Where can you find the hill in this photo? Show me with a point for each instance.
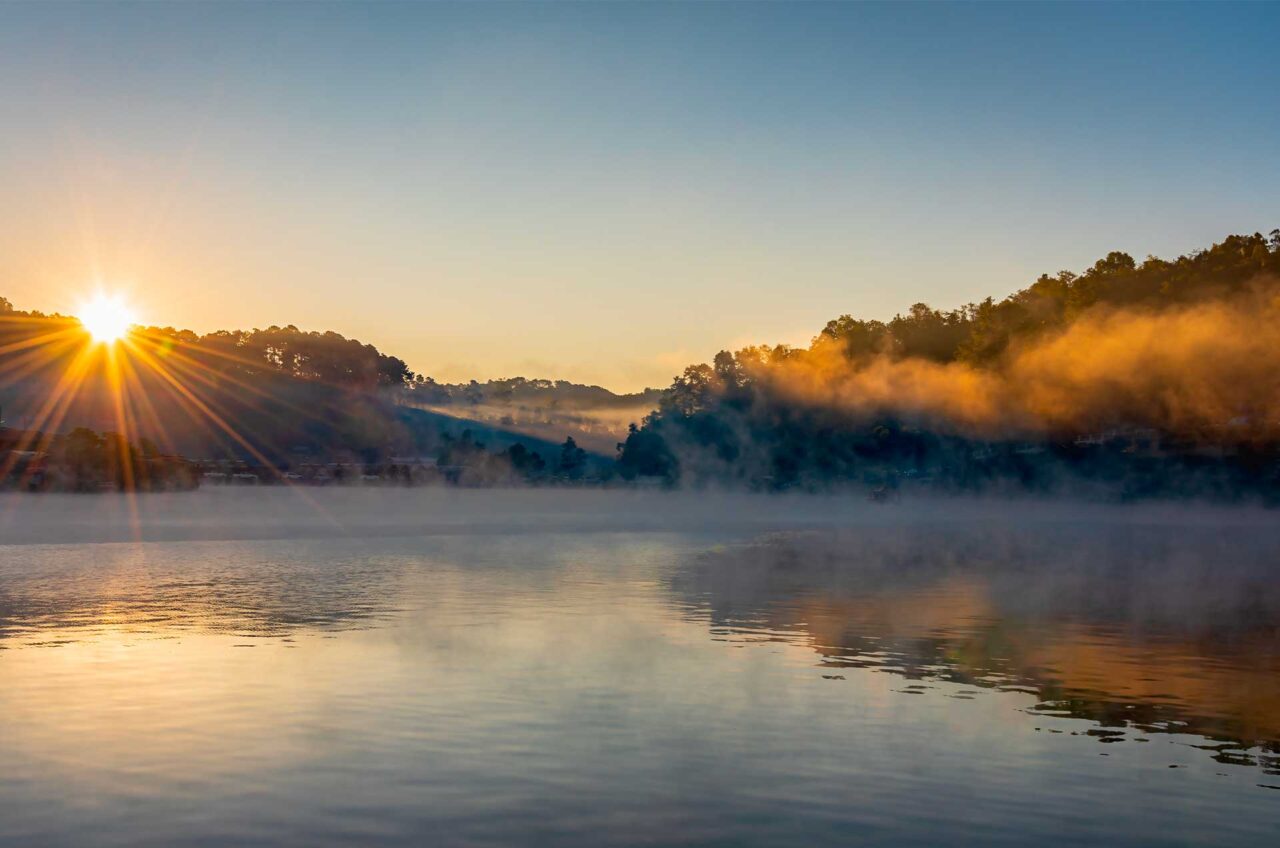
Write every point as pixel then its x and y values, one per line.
pixel 1159 377
pixel 1145 377
pixel 549 409
pixel 270 397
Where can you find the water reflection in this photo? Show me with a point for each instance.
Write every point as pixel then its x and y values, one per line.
pixel 54 595
pixel 518 687
pixel 1138 630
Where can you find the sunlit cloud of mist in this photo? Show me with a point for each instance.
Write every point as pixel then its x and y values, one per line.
pixel 1202 369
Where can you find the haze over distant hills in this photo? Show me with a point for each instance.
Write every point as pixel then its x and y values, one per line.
pixel 1170 368
pixel 270 396
pixel 550 409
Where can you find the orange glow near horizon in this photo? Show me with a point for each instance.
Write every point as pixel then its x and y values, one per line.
pixel 110 350
pixel 108 318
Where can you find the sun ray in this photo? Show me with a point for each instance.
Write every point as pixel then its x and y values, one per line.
pixel 102 357
pixel 211 415
pixel 123 440
pixel 141 400
pixel 31 361
pixel 41 340
pixel 194 369
pixel 50 415
pixel 205 408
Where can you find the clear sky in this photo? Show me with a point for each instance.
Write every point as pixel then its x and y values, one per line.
pixel 608 192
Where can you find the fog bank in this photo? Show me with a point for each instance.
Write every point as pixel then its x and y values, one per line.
pixel 282 513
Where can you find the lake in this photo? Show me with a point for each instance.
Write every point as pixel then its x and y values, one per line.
pixel 452 667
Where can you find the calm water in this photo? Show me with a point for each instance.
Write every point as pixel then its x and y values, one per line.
pixel 413 668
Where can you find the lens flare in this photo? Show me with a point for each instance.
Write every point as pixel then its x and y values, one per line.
pixel 107 318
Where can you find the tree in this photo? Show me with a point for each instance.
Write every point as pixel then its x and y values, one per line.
pixel 573 459
pixel 524 461
pixel 646 454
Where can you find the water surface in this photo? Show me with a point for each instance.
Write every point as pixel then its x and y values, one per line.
pixel 587 668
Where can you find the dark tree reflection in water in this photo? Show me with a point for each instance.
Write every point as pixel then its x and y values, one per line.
pixel 1138 630
pixel 603 668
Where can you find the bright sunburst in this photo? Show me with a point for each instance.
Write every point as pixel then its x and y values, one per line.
pixel 107 318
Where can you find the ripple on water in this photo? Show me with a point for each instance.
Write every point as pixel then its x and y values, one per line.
pixel 880 685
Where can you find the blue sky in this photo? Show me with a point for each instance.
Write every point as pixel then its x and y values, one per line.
pixel 605 192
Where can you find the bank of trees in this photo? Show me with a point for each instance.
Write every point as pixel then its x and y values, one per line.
pixel 527 393
pixel 87 461
pixel 965 397
pixel 979 333
pixel 934 394
pixel 260 394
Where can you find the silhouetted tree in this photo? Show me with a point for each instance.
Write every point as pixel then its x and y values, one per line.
pixel 573 459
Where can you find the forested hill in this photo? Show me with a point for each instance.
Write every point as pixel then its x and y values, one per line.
pixel 594 417
pixel 1163 362
pixel 282 392
pixel 1148 377
pixel 529 393
pixel 275 396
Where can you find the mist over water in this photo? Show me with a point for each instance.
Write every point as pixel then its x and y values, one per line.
pixel 594 668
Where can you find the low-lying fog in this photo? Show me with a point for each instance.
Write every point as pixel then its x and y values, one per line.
pixel 278 513
pixel 596 668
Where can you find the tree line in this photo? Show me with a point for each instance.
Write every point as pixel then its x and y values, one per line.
pixel 1007 392
pixel 1024 391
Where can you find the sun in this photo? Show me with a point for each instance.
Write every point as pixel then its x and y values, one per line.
pixel 107 318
